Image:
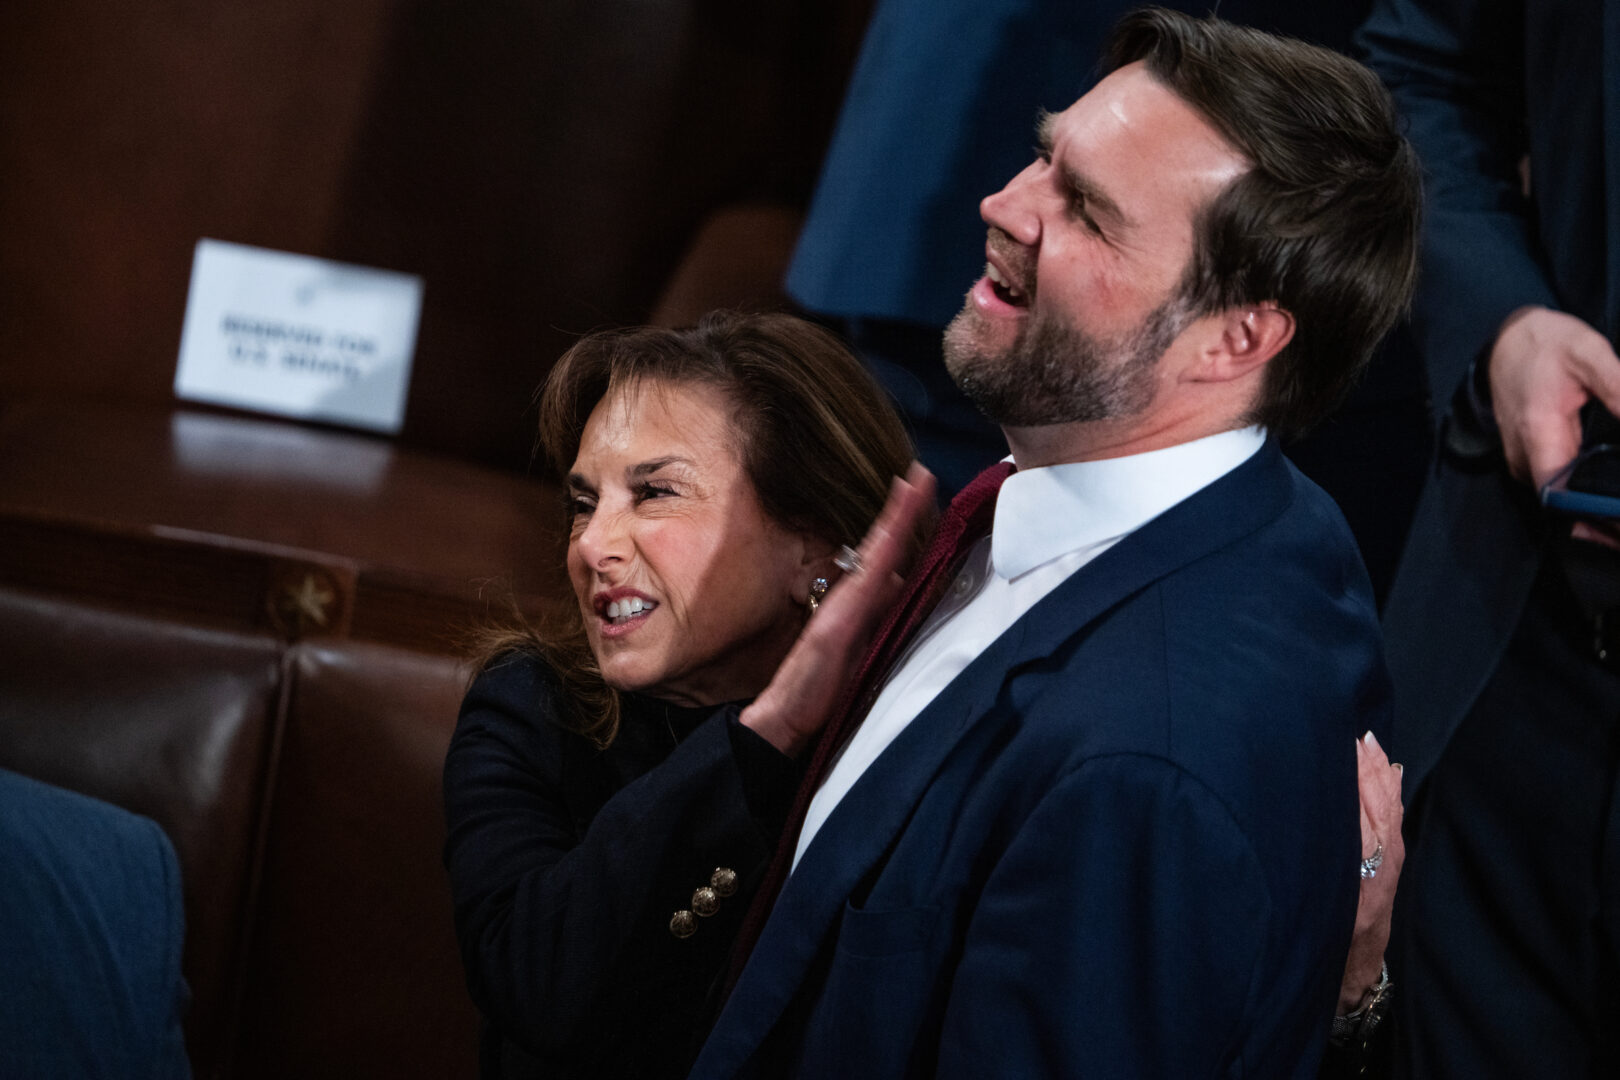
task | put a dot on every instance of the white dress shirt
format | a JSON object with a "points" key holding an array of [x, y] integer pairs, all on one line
{"points": [[1049, 523]]}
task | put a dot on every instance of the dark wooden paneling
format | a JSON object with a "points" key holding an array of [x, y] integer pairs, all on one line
{"points": [[129, 131], [541, 165]]}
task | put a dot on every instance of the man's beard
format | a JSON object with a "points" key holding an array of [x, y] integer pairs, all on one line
{"points": [[1058, 374]]}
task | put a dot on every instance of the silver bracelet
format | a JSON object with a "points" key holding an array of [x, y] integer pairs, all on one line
{"points": [[1360, 1024]]}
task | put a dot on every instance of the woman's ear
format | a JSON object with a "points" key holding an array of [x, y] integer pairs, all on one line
{"points": [[816, 555]]}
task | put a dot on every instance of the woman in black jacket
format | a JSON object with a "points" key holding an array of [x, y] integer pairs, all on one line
{"points": [[609, 816]]}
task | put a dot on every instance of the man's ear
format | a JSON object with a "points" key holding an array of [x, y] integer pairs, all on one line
{"points": [[1249, 337]]}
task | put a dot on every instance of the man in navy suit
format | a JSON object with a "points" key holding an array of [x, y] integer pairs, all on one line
{"points": [[1095, 821], [1504, 622], [91, 930]]}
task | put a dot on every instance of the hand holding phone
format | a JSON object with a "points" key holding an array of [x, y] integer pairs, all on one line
{"points": [[1588, 487]]}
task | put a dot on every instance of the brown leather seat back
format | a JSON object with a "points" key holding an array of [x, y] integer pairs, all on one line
{"points": [[167, 720], [353, 969]]}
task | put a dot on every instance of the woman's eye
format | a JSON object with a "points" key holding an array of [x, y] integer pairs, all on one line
{"points": [[579, 507], [652, 491]]}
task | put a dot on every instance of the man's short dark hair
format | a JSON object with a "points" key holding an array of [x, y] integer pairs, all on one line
{"points": [[1325, 223]]}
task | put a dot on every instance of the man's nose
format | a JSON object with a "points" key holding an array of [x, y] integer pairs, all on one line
{"points": [[1014, 209]]}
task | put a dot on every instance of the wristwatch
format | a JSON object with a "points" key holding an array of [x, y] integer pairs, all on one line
{"points": [[1360, 1024]]}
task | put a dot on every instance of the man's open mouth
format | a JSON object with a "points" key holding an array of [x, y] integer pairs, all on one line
{"points": [[1005, 291]]}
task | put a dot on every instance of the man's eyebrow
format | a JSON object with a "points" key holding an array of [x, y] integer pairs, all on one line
{"points": [[1044, 122], [1075, 183]]}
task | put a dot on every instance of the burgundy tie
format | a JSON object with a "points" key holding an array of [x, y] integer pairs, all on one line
{"points": [[966, 521]]}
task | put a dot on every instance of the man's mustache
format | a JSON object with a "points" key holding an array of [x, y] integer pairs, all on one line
{"points": [[1018, 260]]}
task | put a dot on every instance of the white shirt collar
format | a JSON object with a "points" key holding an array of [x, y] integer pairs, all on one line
{"points": [[1047, 512]]}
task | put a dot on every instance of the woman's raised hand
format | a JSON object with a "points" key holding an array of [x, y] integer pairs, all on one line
{"points": [[1381, 841], [801, 697]]}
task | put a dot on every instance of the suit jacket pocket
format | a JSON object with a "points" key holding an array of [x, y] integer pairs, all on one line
{"points": [[877, 1015], [864, 932]]}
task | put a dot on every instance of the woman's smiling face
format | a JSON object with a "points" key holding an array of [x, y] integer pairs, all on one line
{"points": [[689, 592]]}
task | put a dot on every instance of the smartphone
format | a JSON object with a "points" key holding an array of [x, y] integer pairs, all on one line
{"points": [[1589, 486]]}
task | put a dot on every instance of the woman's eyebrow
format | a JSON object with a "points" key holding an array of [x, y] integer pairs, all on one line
{"points": [[647, 468]]}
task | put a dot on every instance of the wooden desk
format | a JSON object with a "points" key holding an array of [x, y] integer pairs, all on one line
{"points": [[261, 524]]}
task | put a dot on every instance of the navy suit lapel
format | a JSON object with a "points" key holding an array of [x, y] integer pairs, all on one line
{"points": [[870, 817], [865, 822]]}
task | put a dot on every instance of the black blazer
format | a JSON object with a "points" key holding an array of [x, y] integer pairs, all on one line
{"points": [[566, 863]]}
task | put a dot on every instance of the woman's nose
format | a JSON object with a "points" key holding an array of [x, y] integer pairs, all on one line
{"points": [[605, 540]]}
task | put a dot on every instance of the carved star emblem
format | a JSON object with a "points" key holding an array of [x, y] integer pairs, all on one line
{"points": [[309, 599]]}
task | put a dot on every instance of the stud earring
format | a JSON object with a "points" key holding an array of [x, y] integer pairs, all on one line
{"points": [[818, 589]]}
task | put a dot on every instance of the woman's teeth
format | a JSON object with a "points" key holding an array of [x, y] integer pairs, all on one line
{"points": [[628, 608]]}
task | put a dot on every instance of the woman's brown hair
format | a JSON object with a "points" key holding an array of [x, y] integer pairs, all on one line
{"points": [[817, 437]]}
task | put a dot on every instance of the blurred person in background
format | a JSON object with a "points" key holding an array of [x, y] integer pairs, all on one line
{"points": [[1504, 622]]}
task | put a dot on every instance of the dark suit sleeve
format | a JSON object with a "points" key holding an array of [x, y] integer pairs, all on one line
{"points": [[1120, 935], [564, 922], [1456, 70]]}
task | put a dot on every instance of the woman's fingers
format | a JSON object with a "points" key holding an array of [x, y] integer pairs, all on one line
{"points": [[1379, 780], [1369, 794], [800, 698], [884, 548], [857, 603], [1380, 784]]}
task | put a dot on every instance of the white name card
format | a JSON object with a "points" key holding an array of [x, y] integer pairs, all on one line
{"points": [[298, 336]]}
